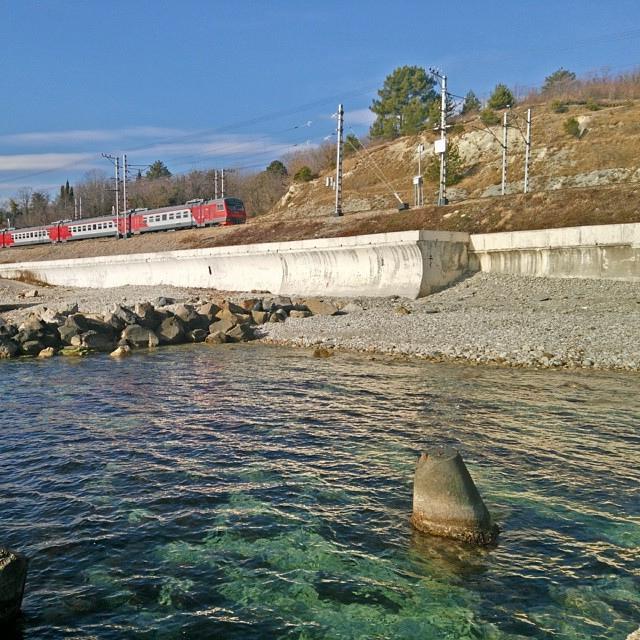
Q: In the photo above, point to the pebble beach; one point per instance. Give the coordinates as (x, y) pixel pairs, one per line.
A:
(483, 319)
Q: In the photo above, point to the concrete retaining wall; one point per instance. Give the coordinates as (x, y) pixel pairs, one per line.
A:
(408, 263)
(604, 251)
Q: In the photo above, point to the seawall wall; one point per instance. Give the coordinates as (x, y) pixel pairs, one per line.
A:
(407, 263)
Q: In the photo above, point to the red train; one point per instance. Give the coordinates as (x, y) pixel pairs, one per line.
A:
(195, 213)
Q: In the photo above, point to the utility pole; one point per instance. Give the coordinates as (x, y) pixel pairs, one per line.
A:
(527, 152)
(441, 144)
(75, 208)
(418, 191)
(215, 183)
(222, 184)
(124, 194)
(339, 145)
(116, 162)
(80, 207)
(505, 128)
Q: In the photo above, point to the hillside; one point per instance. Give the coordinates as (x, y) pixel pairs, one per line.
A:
(594, 179)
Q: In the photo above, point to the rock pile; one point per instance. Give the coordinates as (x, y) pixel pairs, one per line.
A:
(121, 328)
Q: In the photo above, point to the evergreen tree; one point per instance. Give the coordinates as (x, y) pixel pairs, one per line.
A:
(501, 98)
(158, 169)
(558, 80)
(471, 103)
(277, 168)
(403, 104)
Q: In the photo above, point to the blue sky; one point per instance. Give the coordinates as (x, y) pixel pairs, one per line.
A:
(203, 84)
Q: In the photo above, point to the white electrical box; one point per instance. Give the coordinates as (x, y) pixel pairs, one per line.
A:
(417, 180)
(440, 146)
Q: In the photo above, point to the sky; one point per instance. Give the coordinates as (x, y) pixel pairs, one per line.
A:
(205, 84)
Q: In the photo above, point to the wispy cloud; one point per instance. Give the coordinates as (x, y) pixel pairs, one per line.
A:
(84, 136)
(362, 117)
(45, 161)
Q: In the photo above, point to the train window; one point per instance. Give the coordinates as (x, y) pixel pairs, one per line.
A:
(220, 207)
(164, 216)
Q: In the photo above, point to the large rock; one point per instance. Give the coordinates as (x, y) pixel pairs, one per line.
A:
(8, 348)
(210, 310)
(7, 330)
(31, 347)
(147, 315)
(222, 325)
(13, 576)
(122, 316)
(139, 337)
(171, 331)
(190, 318)
(240, 333)
(320, 307)
(260, 317)
(197, 335)
(446, 502)
(218, 337)
(97, 341)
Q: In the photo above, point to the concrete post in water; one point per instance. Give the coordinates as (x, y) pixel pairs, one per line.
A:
(446, 502)
(13, 575)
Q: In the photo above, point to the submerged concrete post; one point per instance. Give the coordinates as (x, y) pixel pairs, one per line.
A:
(446, 502)
(13, 575)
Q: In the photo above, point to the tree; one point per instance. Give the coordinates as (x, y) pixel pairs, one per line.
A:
(277, 168)
(489, 117)
(39, 207)
(304, 174)
(352, 144)
(455, 166)
(471, 103)
(158, 170)
(501, 98)
(436, 107)
(558, 80)
(403, 104)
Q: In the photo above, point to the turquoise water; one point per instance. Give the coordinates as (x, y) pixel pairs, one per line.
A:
(254, 492)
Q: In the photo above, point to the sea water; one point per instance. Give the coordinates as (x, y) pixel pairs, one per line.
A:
(257, 492)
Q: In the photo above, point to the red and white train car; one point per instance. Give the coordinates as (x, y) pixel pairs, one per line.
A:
(195, 213)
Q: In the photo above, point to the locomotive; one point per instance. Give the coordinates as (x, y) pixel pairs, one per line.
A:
(194, 213)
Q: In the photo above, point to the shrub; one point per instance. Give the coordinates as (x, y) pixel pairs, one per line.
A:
(455, 166)
(557, 106)
(592, 105)
(572, 127)
(489, 117)
(304, 174)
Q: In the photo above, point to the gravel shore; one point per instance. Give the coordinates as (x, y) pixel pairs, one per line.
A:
(486, 318)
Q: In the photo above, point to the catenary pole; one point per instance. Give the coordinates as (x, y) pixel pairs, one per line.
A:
(527, 153)
(442, 198)
(222, 183)
(124, 193)
(505, 126)
(340, 131)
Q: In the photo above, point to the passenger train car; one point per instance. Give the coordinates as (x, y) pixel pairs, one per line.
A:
(195, 213)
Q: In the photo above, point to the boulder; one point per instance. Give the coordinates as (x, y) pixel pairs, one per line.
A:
(171, 331)
(222, 325)
(47, 352)
(13, 576)
(31, 347)
(240, 333)
(281, 314)
(8, 348)
(51, 316)
(163, 301)
(31, 293)
(209, 310)
(352, 307)
(74, 352)
(446, 502)
(139, 337)
(249, 303)
(197, 335)
(260, 317)
(322, 352)
(190, 318)
(217, 337)
(298, 313)
(121, 351)
(320, 307)
(121, 315)
(97, 341)
(31, 329)
(7, 330)
(147, 315)
(228, 307)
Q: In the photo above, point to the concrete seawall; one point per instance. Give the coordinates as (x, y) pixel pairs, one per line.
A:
(609, 252)
(407, 263)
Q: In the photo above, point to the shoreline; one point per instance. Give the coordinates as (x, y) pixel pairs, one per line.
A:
(484, 319)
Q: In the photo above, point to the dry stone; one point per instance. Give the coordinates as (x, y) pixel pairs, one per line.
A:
(140, 337)
(171, 331)
(320, 308)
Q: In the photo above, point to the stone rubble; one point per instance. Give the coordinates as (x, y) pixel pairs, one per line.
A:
(483, 319)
